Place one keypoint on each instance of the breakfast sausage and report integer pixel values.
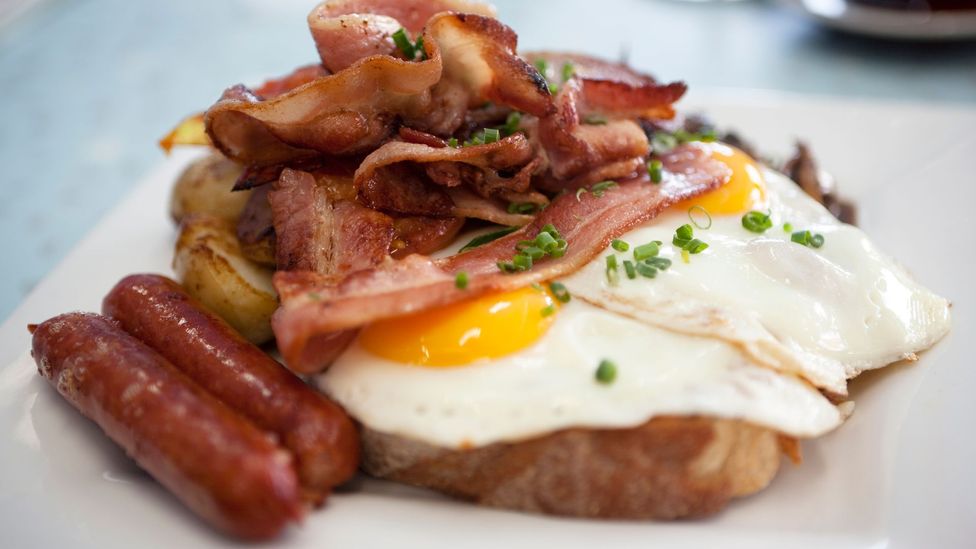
(217, 463)
(318, 432)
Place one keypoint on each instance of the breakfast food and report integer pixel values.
(528, 281)
(319, 435)
(213, 267)
(215, 462)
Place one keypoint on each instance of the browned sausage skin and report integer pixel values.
(158, 311)
(221, 466)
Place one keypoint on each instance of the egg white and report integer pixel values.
(826, 313)
(551, 385)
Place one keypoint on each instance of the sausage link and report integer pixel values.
(222, 467)
(323, 439)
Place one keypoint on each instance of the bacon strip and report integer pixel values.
(315, 232)
(477, 166)
(346, 31)
(314, 306)
(581, 153)
(357, 108)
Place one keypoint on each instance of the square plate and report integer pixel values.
(898, 474)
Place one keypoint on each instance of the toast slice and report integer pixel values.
(667, 468)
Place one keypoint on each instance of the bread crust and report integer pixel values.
(667, 468)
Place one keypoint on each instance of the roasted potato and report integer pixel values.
(205, 187)
(209, 263)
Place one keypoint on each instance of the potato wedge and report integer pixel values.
(205, 187)
(209, 263)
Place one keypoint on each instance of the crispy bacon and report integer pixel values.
(580, 153)
(346, 31)
(298, 77)
(317, 232)
(423, 235)
(357, 108)
(468, 204)
(483, 168)
(314, 306)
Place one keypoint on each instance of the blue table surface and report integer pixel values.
(90, 85)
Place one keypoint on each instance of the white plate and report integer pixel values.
(900, 473)
(890, 23)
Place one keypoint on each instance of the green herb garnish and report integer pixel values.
(619, 245)
(646, 251)
(606, 372)
(488, 237)
(613, 277)
(409, 49)
(704, 212)
(599, 188)
(684, 239)
(559, 290)
(757, 222)
(808, 239)
(547, 243)
(461, 280)
(512, 122)
(522, 208)
(630, 269)
(655, 169)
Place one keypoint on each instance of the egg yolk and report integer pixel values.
(745, 190)
(485, 327)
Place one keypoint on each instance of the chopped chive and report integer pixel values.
(662, 142)
(461, 280)
(548, 310)
(542, 66)
(808, 239)
(536, 286)
(512, 122)
(486, 238)
(522, 262)
(452, 142)
(645, 251)
(595, 120)
(620, 245)
(606, 372)
(708, 216)
(756, 222)
(547, 242)
(787, 227)
(533, 252)
(684, 239)
(646, 270)
(559, 290)
(612, 275)
(419, 48)
(629, 269)
(655, 169)
(568, 71)
(491, 135)
(684, 256)
(599, 188)
(314, 296)
(402, 41)
(522, 208)
(659, 263)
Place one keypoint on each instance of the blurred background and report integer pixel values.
(91, 85)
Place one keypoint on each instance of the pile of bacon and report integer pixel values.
(420, 117)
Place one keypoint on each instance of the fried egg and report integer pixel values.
(750, 328)
(825, 312)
